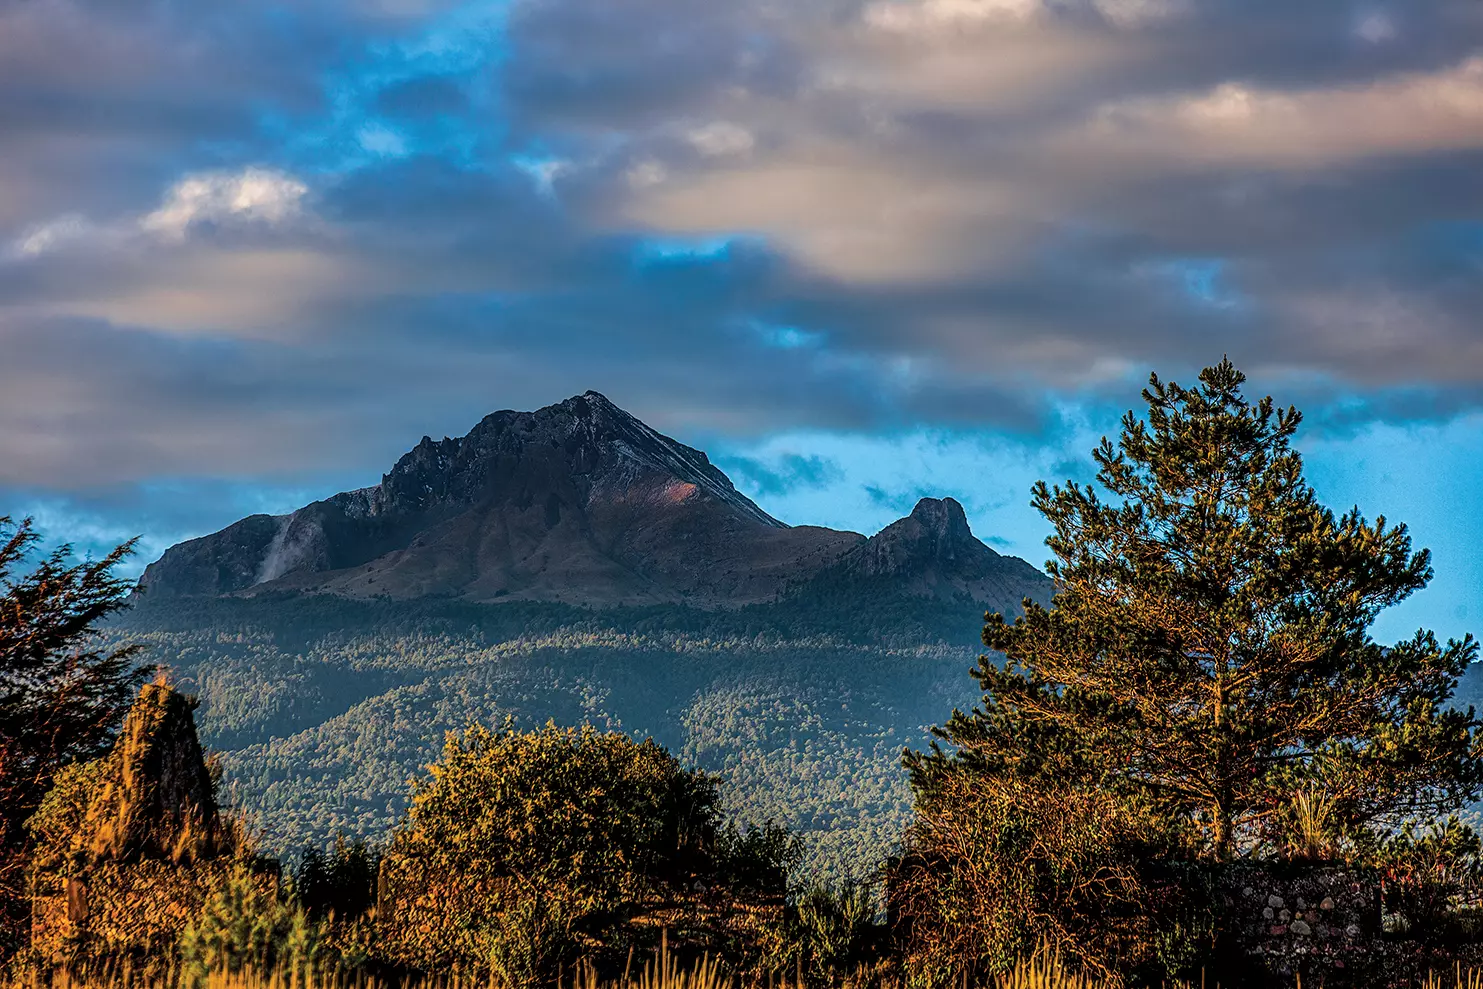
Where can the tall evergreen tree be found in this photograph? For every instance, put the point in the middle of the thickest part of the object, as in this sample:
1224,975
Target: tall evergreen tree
1208,652
61,699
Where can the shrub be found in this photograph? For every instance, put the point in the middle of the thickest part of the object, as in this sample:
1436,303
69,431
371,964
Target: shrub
247,924
993,872
836,928
1425,875
340,882
756,861
595,828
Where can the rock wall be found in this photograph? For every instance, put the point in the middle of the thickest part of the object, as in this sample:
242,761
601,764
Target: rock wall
1327,926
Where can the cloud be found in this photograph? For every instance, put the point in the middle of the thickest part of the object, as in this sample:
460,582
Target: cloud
52,235
214,256
937,16
929,15
1375,27
266,236
1424,112
254,194
784,474
721,138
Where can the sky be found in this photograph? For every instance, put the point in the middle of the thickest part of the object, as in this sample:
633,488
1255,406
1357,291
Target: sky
857,250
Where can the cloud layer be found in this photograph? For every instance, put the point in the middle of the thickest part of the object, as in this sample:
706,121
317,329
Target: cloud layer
247,242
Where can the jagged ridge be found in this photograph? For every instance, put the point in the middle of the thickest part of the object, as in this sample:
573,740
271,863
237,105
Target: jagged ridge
577,502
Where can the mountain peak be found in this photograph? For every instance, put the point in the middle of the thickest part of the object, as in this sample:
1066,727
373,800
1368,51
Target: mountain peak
591,405
935,552
578,501
943,517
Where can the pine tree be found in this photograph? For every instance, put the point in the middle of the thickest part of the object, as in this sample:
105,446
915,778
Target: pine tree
1208,652
61,699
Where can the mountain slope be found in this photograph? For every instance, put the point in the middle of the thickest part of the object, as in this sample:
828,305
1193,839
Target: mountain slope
580,503
577,502
574,564
933,553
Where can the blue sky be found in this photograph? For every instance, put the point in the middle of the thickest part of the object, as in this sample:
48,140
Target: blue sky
859,250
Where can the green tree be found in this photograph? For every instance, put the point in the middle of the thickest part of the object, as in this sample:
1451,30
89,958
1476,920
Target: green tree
1207,659
1209,644
61,699
246,924
521,845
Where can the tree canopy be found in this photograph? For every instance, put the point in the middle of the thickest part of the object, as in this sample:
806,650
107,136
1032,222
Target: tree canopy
61,698
547,837
1208,651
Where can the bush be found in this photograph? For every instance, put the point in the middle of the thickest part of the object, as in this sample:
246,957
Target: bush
594,829
835,929
1425,876
756,861
246,924
340,883
996,870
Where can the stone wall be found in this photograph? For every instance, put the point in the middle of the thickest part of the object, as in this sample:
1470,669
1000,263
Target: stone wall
1327,926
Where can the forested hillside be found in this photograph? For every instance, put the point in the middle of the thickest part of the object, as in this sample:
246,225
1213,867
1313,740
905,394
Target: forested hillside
574,565
323,708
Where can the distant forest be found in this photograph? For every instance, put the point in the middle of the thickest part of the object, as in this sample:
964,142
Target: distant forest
323,708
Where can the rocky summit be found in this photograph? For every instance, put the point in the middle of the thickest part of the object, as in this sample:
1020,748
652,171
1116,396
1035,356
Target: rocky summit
579,503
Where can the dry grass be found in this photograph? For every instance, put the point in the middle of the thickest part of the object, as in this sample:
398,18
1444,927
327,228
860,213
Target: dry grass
1045,970
1459,978
663,971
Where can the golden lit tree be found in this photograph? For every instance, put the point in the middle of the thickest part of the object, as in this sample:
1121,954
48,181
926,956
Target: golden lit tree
1208,653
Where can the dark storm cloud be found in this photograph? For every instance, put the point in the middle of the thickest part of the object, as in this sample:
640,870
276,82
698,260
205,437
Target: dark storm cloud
637,62
241,241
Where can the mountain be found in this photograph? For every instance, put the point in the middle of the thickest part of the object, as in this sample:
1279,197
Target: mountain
932,553
578,503
573,564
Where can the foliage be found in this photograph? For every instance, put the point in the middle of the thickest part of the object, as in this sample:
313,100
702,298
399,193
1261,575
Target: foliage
756,861
992,873
61,699
1209,648
533,929
1204,688
597,815
519,844
323,709
62,815
247,924
836,928
1426,874
340,882
126,849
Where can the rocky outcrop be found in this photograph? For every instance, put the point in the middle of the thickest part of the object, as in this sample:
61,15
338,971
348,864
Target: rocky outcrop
127,848
157,801
933,553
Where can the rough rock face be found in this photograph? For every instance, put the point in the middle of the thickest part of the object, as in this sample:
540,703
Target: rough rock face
577,502
128,847
933,553
158,801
